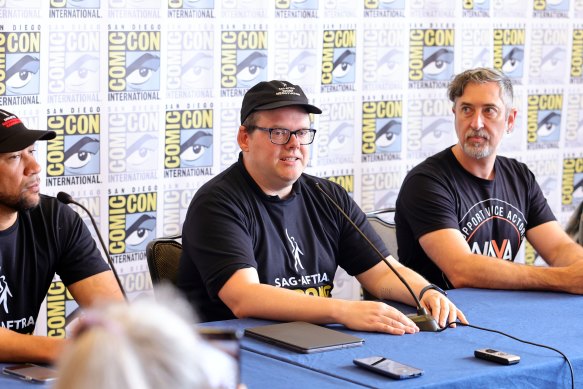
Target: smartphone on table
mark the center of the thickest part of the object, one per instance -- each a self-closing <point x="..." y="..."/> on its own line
<point x="31" y="372"/>
<point x="388" y="367"/>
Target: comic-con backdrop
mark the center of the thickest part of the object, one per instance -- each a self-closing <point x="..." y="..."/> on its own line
<point x="145" y="94"/>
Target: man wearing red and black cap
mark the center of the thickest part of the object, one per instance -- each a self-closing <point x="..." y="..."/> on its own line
<point x="39" y="236"/>
<point x="259" y="240"/>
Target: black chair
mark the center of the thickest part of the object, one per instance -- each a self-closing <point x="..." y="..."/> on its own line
<point x="163" y="256"/>
<point x="382" y="220"/>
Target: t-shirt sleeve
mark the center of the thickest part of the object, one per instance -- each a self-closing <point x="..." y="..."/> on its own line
<point x="219" y="247"/>
<point x="79" y="256"/>
<point x="426" y="204"/>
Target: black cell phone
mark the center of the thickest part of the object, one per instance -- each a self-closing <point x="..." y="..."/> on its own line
<point x="31" y="372"/>
<point x="229" y="342"/>
<point x="388" y="367"/>
<point x="497" y="356"/>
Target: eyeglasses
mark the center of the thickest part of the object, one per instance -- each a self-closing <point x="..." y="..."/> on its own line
<point x="280" y="136"/>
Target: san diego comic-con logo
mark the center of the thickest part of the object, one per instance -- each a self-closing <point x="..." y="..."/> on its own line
<point x="134" y="65"/>
<point x="509" y="52"/>
<point x="384" y="57"/>
<point x="188" y="147"/>
<point x="189" y="63"/>
<point x="296" y="58"/>
<point x="381" y="130"/>
<point x="243" y="60"/>
<point x="73" y="66"/>
<point x="132" y="224"/>
<point x="548" y="54"/>
<point x="19" y="67"/>
<point x="73" y="155"/>
<point x="336" y="132"/>
<point x="379" y="189"/>
<point x="133" y="143"/>
<point x="431" y="57"/>
<point x="544" y="120"/>
<point x="338" y="60"/>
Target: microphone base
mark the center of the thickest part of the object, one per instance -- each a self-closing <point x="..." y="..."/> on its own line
<point x="425" y="322"/>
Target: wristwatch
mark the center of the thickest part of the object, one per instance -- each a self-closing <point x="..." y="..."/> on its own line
<point x="431" y="286"/>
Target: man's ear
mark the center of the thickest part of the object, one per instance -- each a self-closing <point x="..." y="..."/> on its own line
<point x="243" y="138"/>
<point x="511" y="120"/>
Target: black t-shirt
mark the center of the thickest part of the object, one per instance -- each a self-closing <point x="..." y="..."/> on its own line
<point x="296" y="243"/>
<point x="50" y="238"/>
<point x="492" y="215"/>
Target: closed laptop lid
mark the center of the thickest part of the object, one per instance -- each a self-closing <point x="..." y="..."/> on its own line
<point x="303" y="337"/>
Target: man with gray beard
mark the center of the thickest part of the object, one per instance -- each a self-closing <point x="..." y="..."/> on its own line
<point x="463" y="213"/>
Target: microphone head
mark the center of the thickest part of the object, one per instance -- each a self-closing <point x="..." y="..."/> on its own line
<point x="64" y="198"/>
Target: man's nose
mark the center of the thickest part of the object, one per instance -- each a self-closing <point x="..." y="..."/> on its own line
<point x="477" y="121"/>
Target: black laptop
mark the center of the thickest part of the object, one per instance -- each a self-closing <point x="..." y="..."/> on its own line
<point x="303" y="337"/>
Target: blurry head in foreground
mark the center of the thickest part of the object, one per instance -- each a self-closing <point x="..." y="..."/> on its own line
<point x="146" y="344"/>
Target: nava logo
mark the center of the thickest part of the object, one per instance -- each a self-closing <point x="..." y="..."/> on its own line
<point x="19" y="63"/>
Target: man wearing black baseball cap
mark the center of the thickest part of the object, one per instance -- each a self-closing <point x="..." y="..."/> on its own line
<point x="39" y="236"/>
<point x="260" y="240"/>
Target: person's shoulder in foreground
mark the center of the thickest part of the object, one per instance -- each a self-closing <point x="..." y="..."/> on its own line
<point x="38" y="238"/>
<point x="147" y="343"/>
<point x="463" y="214"/>
<point x="262" y="240"/>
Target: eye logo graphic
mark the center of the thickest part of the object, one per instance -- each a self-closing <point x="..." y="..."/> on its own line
<point x="132" y="223"/>
<point x="189" y="139"/>
<point x="509" y="52"/>
<point x="75" y="149"/>
<point x="20" y="63"/>
<point x="338" y="58"/>
<point x="431" y="57"/>
<point x="544" y="120"/>
<point x="134" y="61"/>
<point x="243" y="60"/>
<point x="381" y="129"/>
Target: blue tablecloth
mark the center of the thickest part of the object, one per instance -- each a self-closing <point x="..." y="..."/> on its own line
<point x="447" y="357"/>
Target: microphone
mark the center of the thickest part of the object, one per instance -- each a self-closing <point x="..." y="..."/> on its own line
<point x="423" y="319"/>
<point x="66" y="198"/>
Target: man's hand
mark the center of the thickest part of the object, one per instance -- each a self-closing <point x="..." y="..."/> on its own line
<point x="376" y="317"/>
<point x="441" y="308"/>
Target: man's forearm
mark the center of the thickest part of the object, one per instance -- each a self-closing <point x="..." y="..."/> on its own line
<point x="15" y="347"/>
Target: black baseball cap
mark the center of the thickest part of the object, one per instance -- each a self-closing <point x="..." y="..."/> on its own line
<point x="14" y="136"/>
<point x="274" y="94"/>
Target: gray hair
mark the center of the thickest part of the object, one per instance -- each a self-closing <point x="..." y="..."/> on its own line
<point x="482" y="76"/>
<point x="145" y="344"/>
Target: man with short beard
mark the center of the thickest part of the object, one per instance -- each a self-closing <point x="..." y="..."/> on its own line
<point x="39" y="237"/>
<point x="463" y="213"/>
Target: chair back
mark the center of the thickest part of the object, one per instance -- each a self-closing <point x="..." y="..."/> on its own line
<point x="382" y="220"/>
<point x="163" y="256"/>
